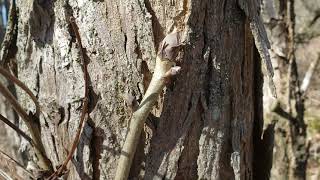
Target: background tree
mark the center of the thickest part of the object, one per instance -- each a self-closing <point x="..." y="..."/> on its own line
<point x="291" y="149"/>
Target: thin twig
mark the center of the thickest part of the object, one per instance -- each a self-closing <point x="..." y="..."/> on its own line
<point x="6" y="157"/>
<point x="9" y="76"/>
<point x="17" y="129"/>
<point x="84" y="111"/>
<point x="15" y="104"/>
<point x="308" y="76"/>
<point x="4" y="175"/>
<point x="8" y="50"/>
<point x="276" y="108"/>
<point x="163" y="70"/>
<point x="33" y="126"/>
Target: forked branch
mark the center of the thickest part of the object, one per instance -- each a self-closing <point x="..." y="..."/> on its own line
<point x="10" y="77"/>
<point x="33" y="127"/>
<point x="163" y="70"/>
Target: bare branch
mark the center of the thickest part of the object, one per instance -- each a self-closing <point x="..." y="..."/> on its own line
<point x="10" y="77"/>
<point x="4" y="175"/>
<point x="8" y="50"/>
<point x="162" y="70"/>
<point x="308" y="76"/>
<point x="12" y="164"/>
<point x="276" y="108"/>
<point x="15" y="104"/>
<point x="17" y="129"/>
<point x="33" y="127"/>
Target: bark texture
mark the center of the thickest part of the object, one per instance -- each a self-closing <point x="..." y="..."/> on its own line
<point x="203" y="122"/>
<point x="291" y="147"/>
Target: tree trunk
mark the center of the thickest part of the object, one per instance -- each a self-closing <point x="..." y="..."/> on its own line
<point x="203" y="122"/>
<point x="291" y="147"/>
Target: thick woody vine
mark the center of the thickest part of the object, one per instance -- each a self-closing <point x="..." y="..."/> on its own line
<point x="164" y="69"/>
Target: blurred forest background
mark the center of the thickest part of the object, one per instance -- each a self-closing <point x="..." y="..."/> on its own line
<point x="4" y="6"/>
<point x="305" y="17"/>
<point x="306" y="50"/>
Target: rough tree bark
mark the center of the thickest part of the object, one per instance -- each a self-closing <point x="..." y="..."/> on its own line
<point x="203" y="122"/>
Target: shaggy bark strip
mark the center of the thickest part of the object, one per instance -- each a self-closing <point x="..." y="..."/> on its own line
<point x="251" y="9"/>
<point x="85" y="102"/>
<point x="163" y="71"/>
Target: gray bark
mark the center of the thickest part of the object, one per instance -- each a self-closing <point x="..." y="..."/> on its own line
<point x="204" y="118"/>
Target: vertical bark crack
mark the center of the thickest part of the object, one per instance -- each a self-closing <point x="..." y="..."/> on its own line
<point x="156" y="26"/>
<point x="55" y="147"/>
<point x="187" y="166"/>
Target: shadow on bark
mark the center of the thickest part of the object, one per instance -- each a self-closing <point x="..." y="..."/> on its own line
<point x="42" y="19"/>
<point x="263" y="154"/>
<point x="79" y="162"/>
<point x="263" y="140"/>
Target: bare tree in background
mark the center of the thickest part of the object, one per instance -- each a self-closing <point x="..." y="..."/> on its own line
<point x="291" y="149"/>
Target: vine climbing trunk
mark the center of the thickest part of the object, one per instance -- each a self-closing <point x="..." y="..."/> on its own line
<point x="201" y="126"/>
